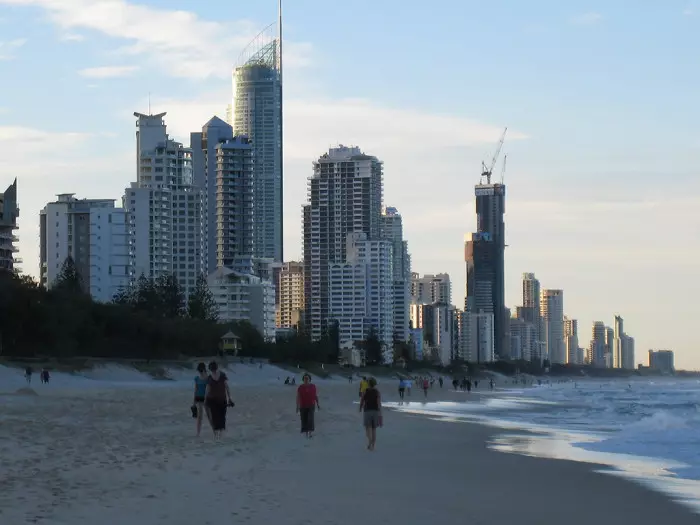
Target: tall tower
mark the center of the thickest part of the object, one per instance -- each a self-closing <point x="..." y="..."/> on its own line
<point x="341" y="176"/>
<point x="489" y="246"/>
<point x="619" y="334"/>
<point x="391" y="229"/>
<point x="164" y="208"/>
<point x="257" y="108"/>
<point x="552" y="308"/>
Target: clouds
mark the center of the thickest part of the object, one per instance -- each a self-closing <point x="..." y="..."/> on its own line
<point x="9" y="48"/>
<point x="108" y="71"/>
<point x="179" y="43"/>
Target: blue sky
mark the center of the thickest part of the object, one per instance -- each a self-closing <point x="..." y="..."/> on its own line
<point x="600" y="98"/>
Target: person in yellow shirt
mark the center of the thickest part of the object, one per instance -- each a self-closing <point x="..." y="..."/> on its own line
<point x="364" y="385"/>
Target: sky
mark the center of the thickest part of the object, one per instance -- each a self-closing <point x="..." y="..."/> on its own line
<point x="600" y="99"/>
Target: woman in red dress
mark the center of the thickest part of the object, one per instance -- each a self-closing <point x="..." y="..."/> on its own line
<point x="307" y="403"/>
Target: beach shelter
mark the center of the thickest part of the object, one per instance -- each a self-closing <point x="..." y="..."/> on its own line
<point x="230" y="343"/>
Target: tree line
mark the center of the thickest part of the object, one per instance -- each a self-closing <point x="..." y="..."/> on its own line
<point x="150" y="320"/>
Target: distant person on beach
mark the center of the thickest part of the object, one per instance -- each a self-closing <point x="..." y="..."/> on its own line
<point x="201" y="381"/>
<point x="28" y="375"/>
<point x="440" y="381"/>
<point x="45" y="376"/>
<point x="371" y="405"/>
<point x="217" y="398"/>
<point x="455" y="383"/>
<point x="307" y="403"/>
<point x="402" y="387"/>
<point x="426" y="386"/>
<point x="363" y="386"/>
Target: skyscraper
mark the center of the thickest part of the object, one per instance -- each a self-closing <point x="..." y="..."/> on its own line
<point x="596" y="355"/>
<point x="164" y="207"/>
<point x="485" y="259"/>
<point x="9" y="211"/>
<point x="257" y="114"/>
<point x="552" y="308"/>
<point x="204" y="164"/>
<point x="571" y="341"/>
<point x="619" y="328"/>
<point x="290" y="287"/>
<point x="345" y="196"/>
<point x="391" y="230"/>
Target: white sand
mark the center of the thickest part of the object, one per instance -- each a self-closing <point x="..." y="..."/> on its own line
<point x="121" y="455"/>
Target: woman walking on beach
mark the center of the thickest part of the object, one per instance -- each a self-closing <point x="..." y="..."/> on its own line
<point x="217" y="398"/>
<point x="307" y="402"/>
<point x="201" y="381"/>
<point x="371" y="405"/>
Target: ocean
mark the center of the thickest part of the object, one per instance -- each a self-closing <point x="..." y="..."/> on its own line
<point x="647" y="430"/>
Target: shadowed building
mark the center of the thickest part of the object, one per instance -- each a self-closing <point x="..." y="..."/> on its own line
<point x="9" y="211"/>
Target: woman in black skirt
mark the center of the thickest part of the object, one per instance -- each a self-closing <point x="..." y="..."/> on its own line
<point x="218" y="398"/>
<point x="307" y="402"/>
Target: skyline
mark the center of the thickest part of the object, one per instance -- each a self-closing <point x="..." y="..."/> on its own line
<point x="551" y="201"/>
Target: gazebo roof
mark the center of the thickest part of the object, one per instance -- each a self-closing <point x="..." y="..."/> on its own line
<point x="229" y="335"/>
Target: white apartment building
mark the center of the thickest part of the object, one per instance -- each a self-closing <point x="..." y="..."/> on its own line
<point x="552" y="311"/>
<point x="361" y="292"/>
<point x="431" y="289"/>
<point x="476" y="340"/>
<point x="344" y="196"/>
<point x="165" y="208"/>
<point x="628" y="352"/>
<point x="391" y="229"/>
<point x="94" y="234"/>
<point x="523" y="336"/>
<point x="243" y="297"/>
<point x="571" y="341"/>
<point x="290" y="291"/>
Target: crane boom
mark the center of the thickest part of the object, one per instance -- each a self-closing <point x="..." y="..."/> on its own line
<point x="486" y="172"/>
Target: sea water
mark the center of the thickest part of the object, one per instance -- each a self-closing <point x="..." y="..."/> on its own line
<point x="645" y="429"/>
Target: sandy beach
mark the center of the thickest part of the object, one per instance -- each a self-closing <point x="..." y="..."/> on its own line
<point x="117" y="455"/>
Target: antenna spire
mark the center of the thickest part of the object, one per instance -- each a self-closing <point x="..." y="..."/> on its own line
<point x="149" y="104"/>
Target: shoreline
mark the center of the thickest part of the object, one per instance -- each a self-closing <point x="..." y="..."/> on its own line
<point x="136" y="450"/>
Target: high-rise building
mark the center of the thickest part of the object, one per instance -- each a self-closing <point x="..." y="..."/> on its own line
<point x="361" y="293"/>
<point x="619" y="328"/>
<point x="571" y="341"/>
<point x="609" y="347"/>
<point x="476" y="344"/>
<point x="257" y="109"/>
<point x="94" y="234"/>
<point x="435" y="323"/>
<point x="596" y="351"/>
<point x="391" y="230"/>
<point x="523" y="340"/>
<point x="489" y="249"/>
<point x="662" y="361"/>
<point x="290" y="289"/>
<point x="206" y="170"/>
<point x="431" y="289"/>
<point x="345" y="196"/>
<point x="9" y="211"/>
<point x="627" y="352"/>
<point x="165" y="208"/>
<point x="552" y="308"/>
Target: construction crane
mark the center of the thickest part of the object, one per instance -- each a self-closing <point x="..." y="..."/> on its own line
<point x="486" y="172"/>
<point x="503" y="169"/>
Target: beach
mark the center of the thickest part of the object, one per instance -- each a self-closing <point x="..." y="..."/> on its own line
<point x="114" y="455"/>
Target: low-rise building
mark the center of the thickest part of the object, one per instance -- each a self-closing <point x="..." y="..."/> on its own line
<point x="662" y="361"/>
<point x="243" y="297"/>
